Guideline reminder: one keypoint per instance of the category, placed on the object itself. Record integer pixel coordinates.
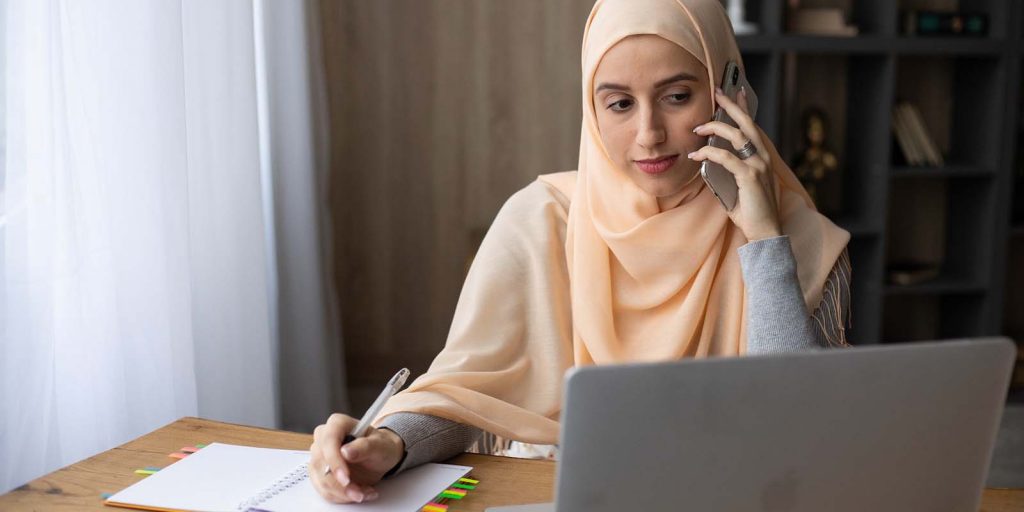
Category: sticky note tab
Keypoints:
(200, 446)
(446, 494)
(190, 449)
(464, 486)
(152, 468)
(106, 495)
(434, 507)
(146, 472)
(177, 455)
(456, 491)
(469, 481)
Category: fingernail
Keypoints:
(341, 477)
(698, 128)
(372, 496)
(348, 453)
(719, 90)
(355, 495)
(690, 155)
(743, 90)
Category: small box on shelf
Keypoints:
(953, 18)
(923, 23)
(819, 21)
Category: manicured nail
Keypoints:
(342, 478)
(355, 495)
(698, 128)
(348, 452)
(372, 495)
(690, 155)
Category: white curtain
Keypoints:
(311, 360)
(138, 264)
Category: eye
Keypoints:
(620, 105)
(679, 97)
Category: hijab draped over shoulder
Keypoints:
(584, 268)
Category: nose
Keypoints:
(650, 130)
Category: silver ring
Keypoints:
(748, 150)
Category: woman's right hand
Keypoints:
(356, 466)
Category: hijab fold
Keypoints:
(584, 268)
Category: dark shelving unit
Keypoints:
(957, 217)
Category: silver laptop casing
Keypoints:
(884, 428)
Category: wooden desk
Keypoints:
(503, 481)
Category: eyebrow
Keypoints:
(661, 83)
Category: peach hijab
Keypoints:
(644, 284)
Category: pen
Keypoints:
(391, 388)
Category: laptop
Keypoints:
(891, 427)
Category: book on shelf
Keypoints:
(944, 23)
(917, 145)
(931, 150)
(906, 273)
(902, 131)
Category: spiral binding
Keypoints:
(282, 484)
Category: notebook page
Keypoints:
(408, 491)
(216, 478)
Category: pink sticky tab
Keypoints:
(190, 449)
(177, 455)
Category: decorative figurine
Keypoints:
(816, 162)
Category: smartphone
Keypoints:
(718, 178)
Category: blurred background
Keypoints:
(257, 211)
(481, 97)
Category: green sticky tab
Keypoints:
(464, 486)
(152, 468)
(451, 495)
(200, 446)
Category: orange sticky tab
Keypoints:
(177, 455)
(434, 507)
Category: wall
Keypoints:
(439, 109)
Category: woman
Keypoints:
(630, 258)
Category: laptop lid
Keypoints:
(898, 427)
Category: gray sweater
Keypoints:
(778, 321)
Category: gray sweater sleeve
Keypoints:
(777, 321)
(777, 317)
(428, 438)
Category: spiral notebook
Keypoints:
(227, 477)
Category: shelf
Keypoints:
(942, 285)
(873, 44)
(948, 171)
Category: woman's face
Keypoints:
(649, 95)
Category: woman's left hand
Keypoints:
(756, 211)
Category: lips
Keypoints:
(656, 165)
